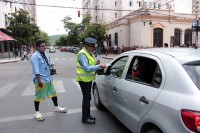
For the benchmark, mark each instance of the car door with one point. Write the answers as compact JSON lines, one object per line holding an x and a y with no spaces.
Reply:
{"x":107,"y":82}
{"x":134,"y":96}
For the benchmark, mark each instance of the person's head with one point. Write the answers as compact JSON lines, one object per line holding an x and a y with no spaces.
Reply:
{"x":90,"y":44}
{"x":165,"y":45}
{"x":40,"y":45}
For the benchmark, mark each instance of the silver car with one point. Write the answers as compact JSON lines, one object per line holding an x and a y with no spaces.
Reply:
{"x":153,"y":90}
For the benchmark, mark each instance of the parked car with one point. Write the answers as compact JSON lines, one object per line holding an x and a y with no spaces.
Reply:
{"x":52,"y":49}
{"x":63,"y":49}
{"x":152,"y":90}
{"x":76,"y":50}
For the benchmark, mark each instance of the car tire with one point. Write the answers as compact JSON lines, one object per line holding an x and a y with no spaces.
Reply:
{"x":154,"y":131}
{"x":96,"y":97}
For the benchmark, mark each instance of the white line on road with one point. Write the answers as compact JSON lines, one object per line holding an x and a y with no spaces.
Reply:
{"x":7,"y":88}
{"x":77,"y":85}
{"x":30,"y":116}
{"x":59,"y":86}
{"x":29,"y":90}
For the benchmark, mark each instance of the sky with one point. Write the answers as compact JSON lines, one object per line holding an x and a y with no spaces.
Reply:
{"x":183,"y":6}
{"x":49,"y":18}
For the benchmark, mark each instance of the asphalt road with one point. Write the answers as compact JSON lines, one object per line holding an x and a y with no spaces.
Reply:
{"x":17,"y":95}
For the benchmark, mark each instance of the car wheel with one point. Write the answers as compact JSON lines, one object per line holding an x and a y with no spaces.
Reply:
{"x":97,"y":100}
{"x":154,"y":131}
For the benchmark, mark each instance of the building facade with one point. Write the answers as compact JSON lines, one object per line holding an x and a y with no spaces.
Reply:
{"x":142,"y":23}
{"x":12,"y":6}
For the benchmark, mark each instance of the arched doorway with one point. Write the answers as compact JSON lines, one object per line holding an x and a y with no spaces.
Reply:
{"x":157,"y":37}
{"x":177,"y":37}
{"x":188,"y":37}
{"x":116,"y":39}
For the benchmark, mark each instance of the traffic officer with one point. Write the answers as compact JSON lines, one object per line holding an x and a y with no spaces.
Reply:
{"x":86,"y":67}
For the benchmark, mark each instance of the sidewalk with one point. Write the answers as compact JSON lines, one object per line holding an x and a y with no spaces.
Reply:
{"x":7,"y":60}
{"x":12,"y":59}
{"x":109,"y":56}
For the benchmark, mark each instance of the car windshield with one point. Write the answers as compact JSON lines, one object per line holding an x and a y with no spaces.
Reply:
{"x":194,"y":72}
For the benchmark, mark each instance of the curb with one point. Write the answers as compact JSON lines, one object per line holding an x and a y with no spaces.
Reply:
{"x":108,"y":58}
{"x":9,"y":61}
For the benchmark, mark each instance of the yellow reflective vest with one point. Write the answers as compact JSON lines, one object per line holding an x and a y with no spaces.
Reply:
{"x":81,"y":74}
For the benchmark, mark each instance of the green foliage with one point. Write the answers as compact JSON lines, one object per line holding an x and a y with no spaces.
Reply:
{"x":95,"y":30}
{"x":42,"y":35}
{"x":54,"y":38}
{"x":77,"y":32}
{"x":23,"y":29}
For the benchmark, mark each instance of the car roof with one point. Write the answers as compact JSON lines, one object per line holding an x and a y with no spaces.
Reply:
{"x":183,"y":55}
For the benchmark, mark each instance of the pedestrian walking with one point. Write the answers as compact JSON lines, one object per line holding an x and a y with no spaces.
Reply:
{"x":86,"y":67}
{"x":122,"y":49}
{"x":115,"y":49}
{"x":106,"y":50}
{"x":16,"y":52}
{"x":42,"y":79}
{"x":25,"y":55}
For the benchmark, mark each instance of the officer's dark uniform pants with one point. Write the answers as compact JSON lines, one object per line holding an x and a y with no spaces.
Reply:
{"x":86,"y":91}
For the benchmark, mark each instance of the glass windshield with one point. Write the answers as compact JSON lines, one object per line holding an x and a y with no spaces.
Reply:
{"x":194,"y":72}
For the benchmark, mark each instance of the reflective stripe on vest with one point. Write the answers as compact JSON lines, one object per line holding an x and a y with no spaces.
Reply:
{"x":81,"y":74}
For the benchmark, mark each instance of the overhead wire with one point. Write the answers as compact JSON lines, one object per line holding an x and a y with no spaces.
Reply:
{"x":107,"y":9}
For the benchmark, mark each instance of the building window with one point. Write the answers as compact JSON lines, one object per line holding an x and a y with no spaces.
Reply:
{"x":115,"y":3}
{"x":145,"y":4}
{"x":102,"y":16}
{"x":131,"y":3}
{"x":167,"y":6}
{"x":154,"y":5}
{"x":140,"y":3}
{"x":150,"y":4}
{"x":159,"y":5}
{"x":115,"y":15}
{"x":96,"y":18}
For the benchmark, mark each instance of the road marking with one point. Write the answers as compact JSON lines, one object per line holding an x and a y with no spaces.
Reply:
{"x":7,"y":88}
{"x":59,"y":86}
{"x":48,"y":114}
{"x":77,"y":85}
{"x":30,"y":89}
{"x":56,"y":59}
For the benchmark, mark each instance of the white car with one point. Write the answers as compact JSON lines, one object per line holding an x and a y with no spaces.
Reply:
{"x":52,"y":49}
{"x":153,"y":90}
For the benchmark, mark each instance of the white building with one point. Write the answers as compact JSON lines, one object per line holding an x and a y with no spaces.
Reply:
{"x":11,"y":6}
{"x":128,"y":22}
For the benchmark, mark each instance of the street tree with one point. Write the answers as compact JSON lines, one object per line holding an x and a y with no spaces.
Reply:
{"x":23,"y":28}
{"x":42,"y":35}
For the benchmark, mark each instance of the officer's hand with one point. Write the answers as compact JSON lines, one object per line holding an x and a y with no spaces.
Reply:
{"x":102,"y":65}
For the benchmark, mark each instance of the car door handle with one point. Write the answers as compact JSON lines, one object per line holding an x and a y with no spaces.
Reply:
{"x":144,"y":100}
{"x":115,"y":89}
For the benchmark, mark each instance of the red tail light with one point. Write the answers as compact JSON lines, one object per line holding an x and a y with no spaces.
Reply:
{"x":191,"y":119}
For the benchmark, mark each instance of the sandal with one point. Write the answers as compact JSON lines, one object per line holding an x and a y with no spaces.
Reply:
{"x":39,"y":116}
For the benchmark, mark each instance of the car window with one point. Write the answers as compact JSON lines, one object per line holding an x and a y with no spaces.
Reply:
{"x":117,"y":67}
{"x":194,"y":72}
{"x":144,"y":70}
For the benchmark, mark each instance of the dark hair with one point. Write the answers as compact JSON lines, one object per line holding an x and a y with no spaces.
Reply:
{"x":39,"y":42}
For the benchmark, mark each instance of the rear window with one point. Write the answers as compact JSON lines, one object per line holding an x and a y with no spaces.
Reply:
{"x":194,"y":72}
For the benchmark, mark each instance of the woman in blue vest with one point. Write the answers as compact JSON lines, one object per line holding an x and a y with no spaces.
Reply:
{"x":86,"y":67}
